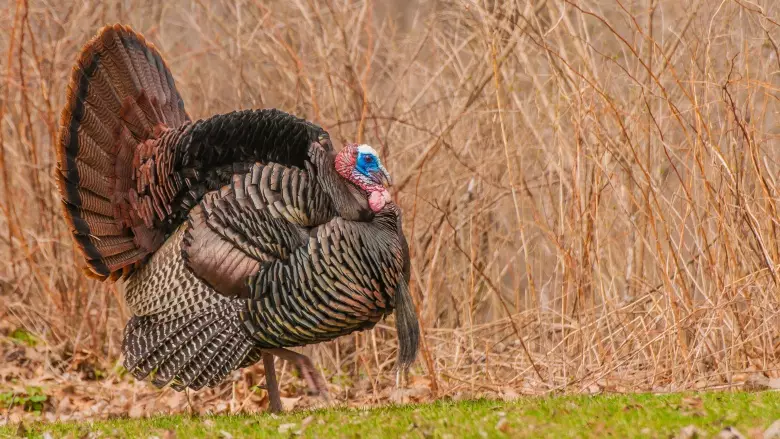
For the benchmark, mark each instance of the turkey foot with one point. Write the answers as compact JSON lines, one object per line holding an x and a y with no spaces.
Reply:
{"x":271,"y":385}
{"x":306,"y":368}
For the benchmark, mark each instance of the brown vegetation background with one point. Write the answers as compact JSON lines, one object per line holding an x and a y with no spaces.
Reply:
{"x":589,"y":186}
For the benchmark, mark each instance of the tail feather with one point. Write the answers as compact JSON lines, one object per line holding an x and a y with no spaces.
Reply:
{"x":93,"y":140}
{"x":121,"y":93}
{"x":91,"y":202}
{"x":117,"y":64}
{"x":113,"y":245}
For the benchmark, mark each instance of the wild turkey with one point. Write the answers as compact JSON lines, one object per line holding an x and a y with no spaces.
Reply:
{"x":232,"y":238}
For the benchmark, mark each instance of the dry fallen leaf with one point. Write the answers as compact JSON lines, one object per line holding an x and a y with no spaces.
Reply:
{"x":502,"y":425}
{"x":136,"y":411}
{"x":689,"y":432}
{"x":693,"y":405}
{"x":306,"y":421}
{"x":729,"y":433}
{"x":284,"y":428}
{"x":756,"y":382}
{"x":509,"y":394}
{"x":464,"y":395}
{"x":773,"y":432}
{"x":415,"y":394}
{"x":21,"y":431}
{"x":289,"y":403}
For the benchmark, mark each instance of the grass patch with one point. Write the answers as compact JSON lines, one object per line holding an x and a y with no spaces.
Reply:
{"x":22,"y":336}
{"x":32,"y":399}
{"x":638,"y":415}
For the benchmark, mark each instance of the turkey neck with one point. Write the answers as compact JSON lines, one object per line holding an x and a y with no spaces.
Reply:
{"x":349,"y":201}
{"x":344,"y":280}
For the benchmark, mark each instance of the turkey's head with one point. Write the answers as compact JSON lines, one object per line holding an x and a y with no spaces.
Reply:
{"x":360,"y":165}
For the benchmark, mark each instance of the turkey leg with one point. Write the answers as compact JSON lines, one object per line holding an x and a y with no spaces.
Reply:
{"x":305,"y":367}
{"x":271,"y":385}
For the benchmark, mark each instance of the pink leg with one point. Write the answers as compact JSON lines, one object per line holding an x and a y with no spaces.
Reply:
{"x":271,"y":385}
{"x":306,"y":368}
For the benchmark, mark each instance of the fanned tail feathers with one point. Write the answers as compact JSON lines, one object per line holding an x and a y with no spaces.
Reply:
{"x":121,"y":93}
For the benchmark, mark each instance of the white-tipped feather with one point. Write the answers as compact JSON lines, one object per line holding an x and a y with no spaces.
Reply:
{"x":367,"y":149}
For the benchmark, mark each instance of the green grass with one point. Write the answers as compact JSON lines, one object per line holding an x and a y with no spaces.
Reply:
{"x":640,"y":415}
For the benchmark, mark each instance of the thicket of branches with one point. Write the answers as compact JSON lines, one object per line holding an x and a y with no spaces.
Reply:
{"x":589,"y":186}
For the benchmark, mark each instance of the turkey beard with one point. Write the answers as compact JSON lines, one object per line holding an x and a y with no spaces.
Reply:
{"x":406,"y":325}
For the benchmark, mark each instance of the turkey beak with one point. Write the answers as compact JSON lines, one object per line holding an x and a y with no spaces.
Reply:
{"x":384,"y":178}
{"x":381,"y":176}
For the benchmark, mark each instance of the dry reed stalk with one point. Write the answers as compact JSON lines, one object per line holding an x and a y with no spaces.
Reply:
{"x":590,"y":186}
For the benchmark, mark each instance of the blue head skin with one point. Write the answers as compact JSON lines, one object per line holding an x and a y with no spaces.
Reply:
{"x":360,"y":164}
{"x":368,"y":164}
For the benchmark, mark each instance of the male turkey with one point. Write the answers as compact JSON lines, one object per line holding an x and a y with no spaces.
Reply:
{"x":232,"y":238}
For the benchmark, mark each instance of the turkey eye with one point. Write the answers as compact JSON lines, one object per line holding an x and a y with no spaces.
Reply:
{"x":368,"y":159}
